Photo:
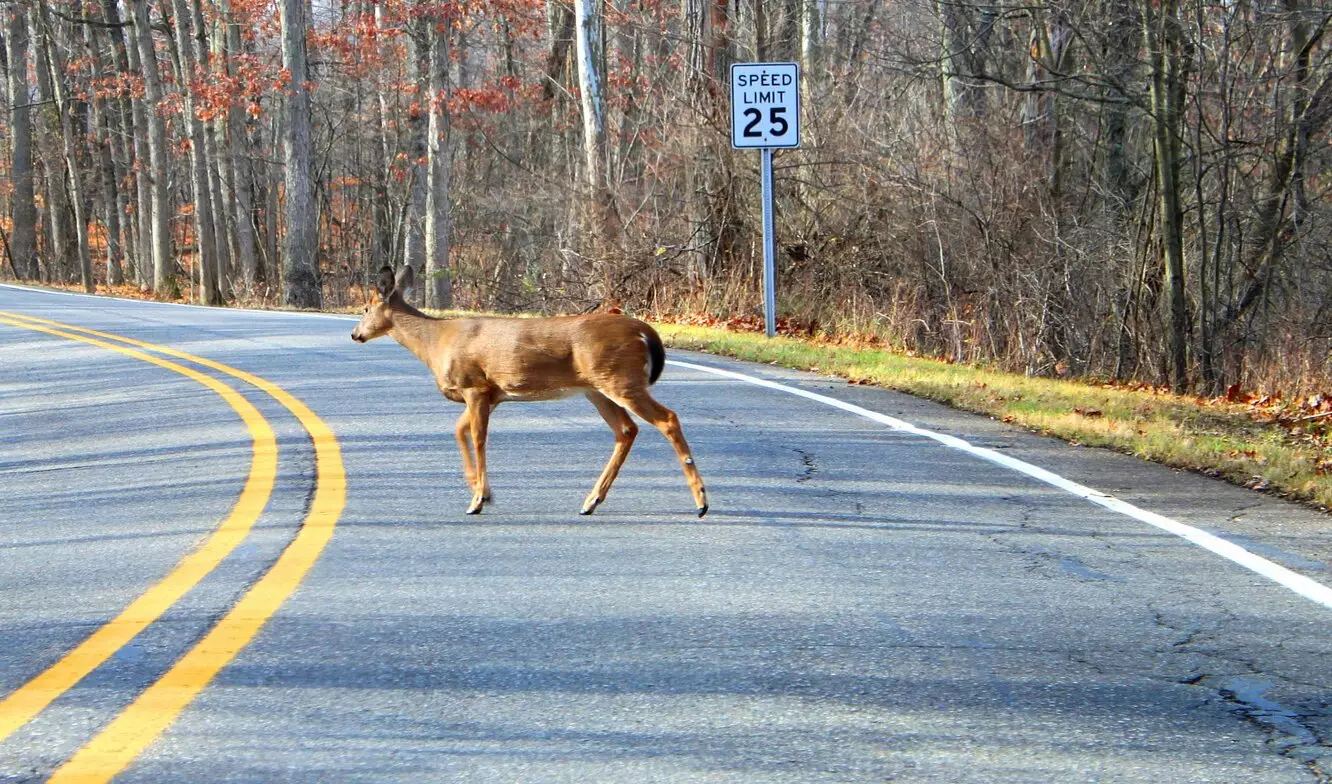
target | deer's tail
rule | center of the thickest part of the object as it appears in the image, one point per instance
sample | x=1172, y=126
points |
x=656, y=354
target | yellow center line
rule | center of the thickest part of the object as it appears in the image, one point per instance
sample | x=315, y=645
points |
x=28, y=700
x=158, y=706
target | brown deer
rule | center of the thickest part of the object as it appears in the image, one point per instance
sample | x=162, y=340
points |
x=482, y=362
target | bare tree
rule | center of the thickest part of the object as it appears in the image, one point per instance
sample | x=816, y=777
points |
x=206, y=237
x=300, y=277
x=1167, y=61
x=23, y=207
x=588, y=37
x=106, y=125
x=439, y=292
x=66, y=110
x=62, y=264
x=158, y=161
x=237, y=160
x=414, y=210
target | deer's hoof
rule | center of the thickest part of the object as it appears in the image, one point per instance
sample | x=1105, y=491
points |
x=590, y=506
x=702, y=510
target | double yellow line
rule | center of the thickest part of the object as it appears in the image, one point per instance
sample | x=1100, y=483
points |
x=158, y=706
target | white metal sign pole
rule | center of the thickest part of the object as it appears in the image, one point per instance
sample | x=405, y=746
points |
x=765, y=114
x=769, y=249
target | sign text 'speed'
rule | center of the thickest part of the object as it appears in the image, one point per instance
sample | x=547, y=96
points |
x=765, y=79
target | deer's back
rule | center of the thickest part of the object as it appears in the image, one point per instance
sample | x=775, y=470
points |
x=538, y=358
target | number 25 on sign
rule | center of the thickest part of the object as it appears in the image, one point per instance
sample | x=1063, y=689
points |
x=765, y=105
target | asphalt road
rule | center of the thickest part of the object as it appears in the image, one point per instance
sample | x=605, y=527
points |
x=862, y=603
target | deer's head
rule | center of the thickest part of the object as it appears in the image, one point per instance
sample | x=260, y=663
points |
x=390, y=296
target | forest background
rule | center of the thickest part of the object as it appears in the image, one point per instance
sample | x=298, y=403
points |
x=1104, y=189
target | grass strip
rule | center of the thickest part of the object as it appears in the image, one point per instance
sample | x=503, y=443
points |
x=1236, y=442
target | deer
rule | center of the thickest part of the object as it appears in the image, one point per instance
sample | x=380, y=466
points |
x=481, y=362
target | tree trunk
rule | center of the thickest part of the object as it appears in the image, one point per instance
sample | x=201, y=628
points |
x=1161, y=36
x=698, y=176
x=414, y=213
x=864, y=20
x=386, y=247
x=1122, y=45
x=143, y=185
x=241, y=177
x=811, y=31
x=158, y=160
x=587, y=28
x=59, y=234
x=438, y=289
x=66, y=110
x=961, y=96
x=212, y=158
x=205, y=239
x=761, y=31
x=103, y=125
x=300, y=276
x=125, y=133
x=23, y=238
x=560, y=25
x=272, y=236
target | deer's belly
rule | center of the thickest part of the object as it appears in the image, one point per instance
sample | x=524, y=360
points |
x=522, y=395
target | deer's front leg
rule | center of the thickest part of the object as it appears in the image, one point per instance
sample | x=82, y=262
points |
x=478, y=416
x=463, y=433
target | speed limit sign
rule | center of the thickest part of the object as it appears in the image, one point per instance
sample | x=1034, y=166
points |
x=765, y=105
x=765, y=115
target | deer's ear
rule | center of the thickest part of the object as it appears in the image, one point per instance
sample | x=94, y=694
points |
x=386, y=283
x=405, y=280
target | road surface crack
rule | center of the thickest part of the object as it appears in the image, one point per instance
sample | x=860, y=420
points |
x=1240, y=684
x=1292, y=733
x=810, y=468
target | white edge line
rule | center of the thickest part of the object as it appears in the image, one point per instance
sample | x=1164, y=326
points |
x=1304, y=586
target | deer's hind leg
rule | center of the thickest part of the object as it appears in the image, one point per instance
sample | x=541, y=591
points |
x=641, y=402
x=622, y=425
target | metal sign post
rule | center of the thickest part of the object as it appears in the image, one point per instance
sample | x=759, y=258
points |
x=769, y=248
x=765, y=114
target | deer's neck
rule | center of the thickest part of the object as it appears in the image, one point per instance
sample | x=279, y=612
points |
x=422, y=335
